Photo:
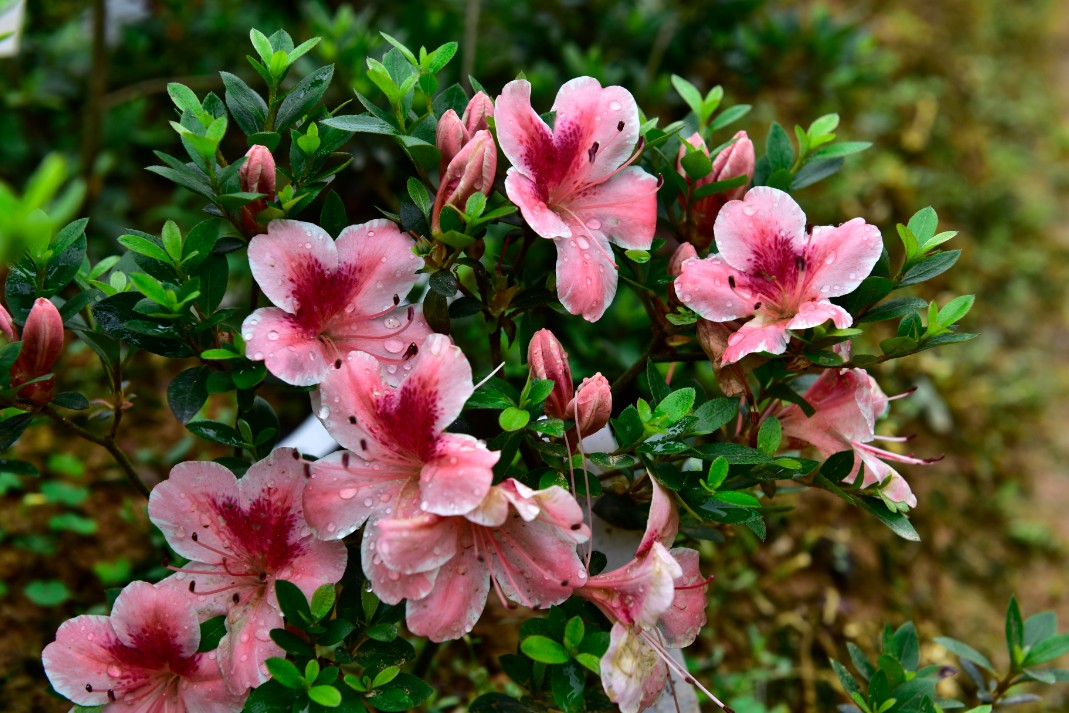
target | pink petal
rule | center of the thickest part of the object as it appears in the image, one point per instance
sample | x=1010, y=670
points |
x=288, y=257
x=390, y=585
x=288, y=350
x=553, y=506
x=212, y=591
x=683, y=620
x=586, y=274
x=205, y=690
x=663, y=523
x=345, y=490
x=439, y=386
x=320, y=563
x=393, y=339
x=418, y=544
x=457, y=600
x=157, y=619
x=632, y=674
x=752, y=338
x=548, y=360
x=810, y=314
x=186, y=500
x=764, y=231
x=704, y=286
x=450, y=136
x=380, y=263
x=458, y=477
x=247, y=643
x=81, y=654
x=531, y=201
x=639, y=592
x=623, y=208
x=839, y=258
x=523, y=136
x=348, y=406
x=892, y=484
x=536, y=563
x=589, y=114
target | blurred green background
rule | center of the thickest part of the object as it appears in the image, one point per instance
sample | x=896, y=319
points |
x=966, y=103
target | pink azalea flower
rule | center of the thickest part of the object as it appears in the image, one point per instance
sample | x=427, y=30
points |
x=519, y=541
x=847, y=403
x=656, y=602
x=396, y=437
x=574, y=183
x=42, y=343
x=736, y=160
x=241, y=536
x=331, y=297
x=143, y=658
x=770, y=269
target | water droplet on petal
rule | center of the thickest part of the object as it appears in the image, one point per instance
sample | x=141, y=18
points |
x=394, y=346
x=584, y=244
x=371, y=233
x=749, y=209
x=258, y=356
x=114, y=671
x=368, y=502
x=615, y=105
x=347, y=493
x=324, y=412
x=825, y=288
x=831, y=258
x=392, y=322
x=593, y=224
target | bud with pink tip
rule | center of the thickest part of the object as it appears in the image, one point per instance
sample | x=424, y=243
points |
x=591, y=406
x=42, y=343
x=548, y=360
x=479, y=108
x=257, y=175
x=454, y=132
x=471, y=171
x=7, y=326
x=736, y=160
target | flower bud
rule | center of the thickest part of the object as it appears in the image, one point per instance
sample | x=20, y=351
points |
x=256, y=175
x=675, y=266
x=591, y=406
x=42, y=343
x=471, y=171
x=736, y=160
x=548, y=360
x=450, y=137
x=7, y=326
x=480, y=107
x=713, y=338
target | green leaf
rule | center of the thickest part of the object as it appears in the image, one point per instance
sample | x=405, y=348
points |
x=361, y=124
x=1047, y=650
x=718, y=472
x=923, y=224
x=930, y=267
x=735, y=497
x=893, y=309
x=544, y=650
x=402, y=693
x=955, y=309
x=143, y=246
x=964, y=651
x=898, y=522
x=1039, y=627
x=326, y=696
x=303, y=97
x=1014, y=630
x=715, y=187
x=689, y=94
x=697, y=164
x=778, y=149
x=713, y=415
x=513, y=419
x=848, y=682
x=246, y=106
x=322, y=601
x=438, y=59
x=639, y=256
x=211, y=631
x=843, y=148
x=574, y=632
x=293, y=604
x=184, y=98
x=47, y=593
x=769, y=436
x=823, y=125
x=673, y=407
x=729, y=116
x=285, y=672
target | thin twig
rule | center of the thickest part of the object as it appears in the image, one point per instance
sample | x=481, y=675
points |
x=108, y=444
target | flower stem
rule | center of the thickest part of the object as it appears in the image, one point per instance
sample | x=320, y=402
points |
x=107, y=443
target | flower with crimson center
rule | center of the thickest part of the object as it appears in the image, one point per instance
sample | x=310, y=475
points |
x=241, y=536
x=770, y=269
x=142, y=658
x=332, y=297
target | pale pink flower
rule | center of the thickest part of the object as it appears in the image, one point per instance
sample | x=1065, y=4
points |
x=847, y=403
x=736, y=160
x=574, y=183
x=454, y=132
x=256, y=175
x=332, y=298
x=471, y=171
x=770, y=269
x=142, y=659
x=242, y=536
x=522, y=542
x=395, y=437
x=589, y=406
x=42, y=343
x=656, y=602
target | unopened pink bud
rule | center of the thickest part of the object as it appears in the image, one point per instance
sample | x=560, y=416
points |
x=7, y=326
x=42, y=343
x=736, y=160
x=591, y=406
x=548, y=360
x=256, y=175
x=471, y=171
x=675, y=266
x=480, y=107
x=450, y=138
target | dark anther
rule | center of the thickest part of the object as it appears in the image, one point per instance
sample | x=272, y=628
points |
x=363, y=444
x=111, y=696
x=165, y=562
x=729, y=709
x=307, y=470
x=352, y=420
x=337, y=363
x=411, y=312
x=660, y=181
x=192, y=586
x=577, y=526
x=89, y=687
x=345, y=459
x=510, y=606
x=263, y=576
x=296, y=454
x=194, y=536
x=757, y=306
x=592, y=152
x=397, y=299
x=564, y=583
x=412, y=351
x=731, y=281
x=799, y=263
x=481, y=558
x=236, y=598
x=620, y=126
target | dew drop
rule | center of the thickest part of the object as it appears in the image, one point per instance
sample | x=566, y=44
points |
x=825, y=288
x=593, y=224
x=307, y=246
x=368, y=502
x=258, y=356
x=831, y=258
x=331, y=527
x=394, y=346
x=728, y=303
x=749, y=209
x=615, y=106
x=114, y=671
x=584, y=244
x=853, y=275
x=347, y=493
x=272, y=335
x=371, y=233
x=324, y=412
x=392, y=322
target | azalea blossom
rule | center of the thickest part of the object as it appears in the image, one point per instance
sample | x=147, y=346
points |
x=519, y=541
x=42, y=343
x=770, y=269
x=575, y=185
x=454, y=132
x=256, y=175
x=142, y=658
x=738, y=159
x=331, y=298
x=589, y=406
x=241, y=536
x=656, y=602
x=471, y=171
x=395, y=437
x=847, y=403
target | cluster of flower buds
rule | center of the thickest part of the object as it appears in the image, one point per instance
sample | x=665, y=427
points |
x=589, y=406
x=42, y=343
x=738, y=159
x=469, y=157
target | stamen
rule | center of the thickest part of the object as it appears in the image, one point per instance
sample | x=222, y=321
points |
x=352, y=420
x=904, y=394
x=307, y=470
x=410, y=317
x=345, y=459
x=413, y=350
x=489, y=376
x=111, y=696
x=586, y=479
x=592, y=152
x=671, y=662
x=89, y=688
x=799, y=263
x=225, y=589
x=890, y=455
